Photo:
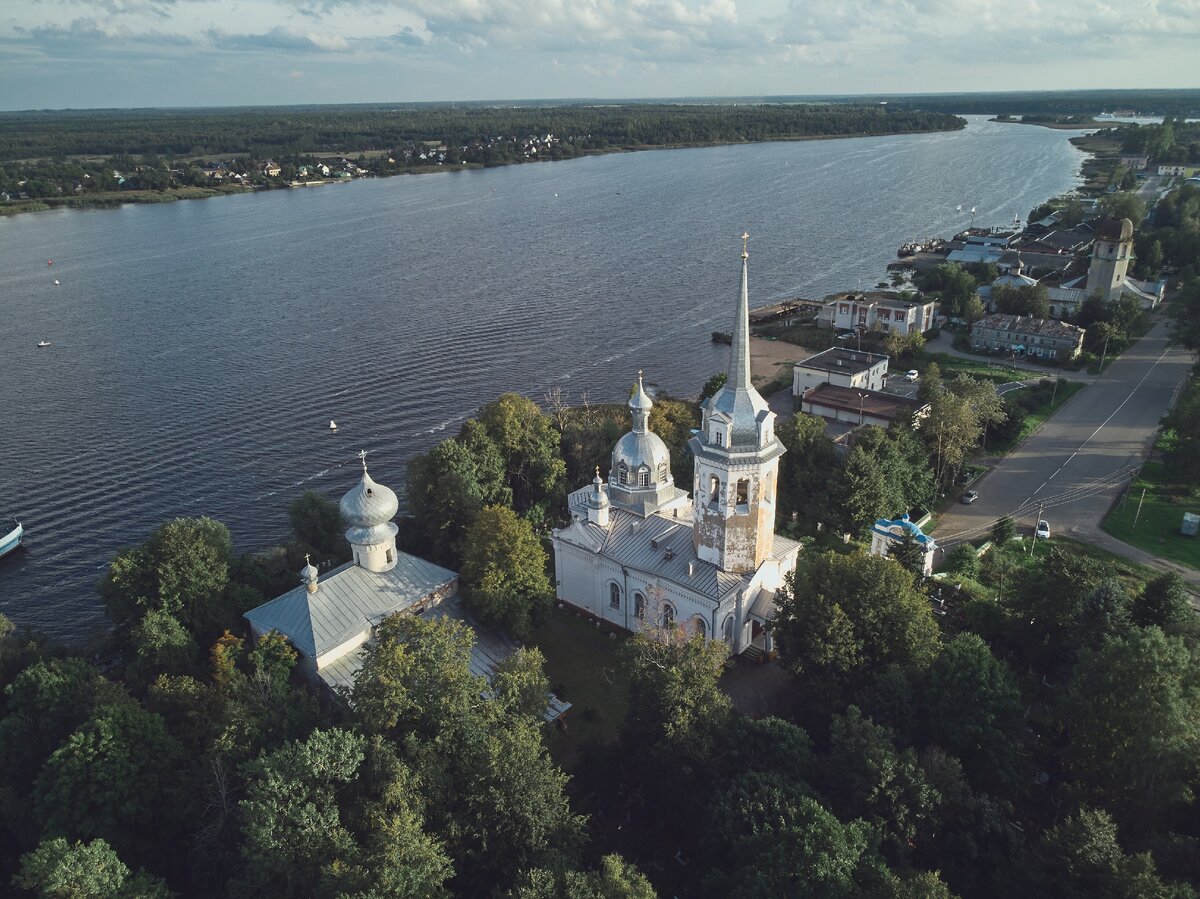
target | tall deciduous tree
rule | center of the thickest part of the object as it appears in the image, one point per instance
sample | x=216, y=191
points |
x=971, y=708
x=1132, y=715
x=1164, y=603
x=447, y=488
x=58, y=869
x=182, y=569
x=805, y=472
x=504, y=571
x=317, y=524
x=529, y=444
x=843, y=618
x=615, y=879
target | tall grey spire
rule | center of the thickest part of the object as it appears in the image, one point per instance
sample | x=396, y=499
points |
x=739, y=361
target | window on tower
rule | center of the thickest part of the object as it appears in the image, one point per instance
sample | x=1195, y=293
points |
x=714, y=490
x=643, y=477
x=743, y=495
x=623, y=474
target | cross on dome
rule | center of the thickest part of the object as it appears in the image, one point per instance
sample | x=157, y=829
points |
x=362, y=454
x=745, y=238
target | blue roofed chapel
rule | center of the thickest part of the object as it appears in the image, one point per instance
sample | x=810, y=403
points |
x=640, y=552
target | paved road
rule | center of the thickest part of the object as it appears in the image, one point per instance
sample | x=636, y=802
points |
x=1079, y=460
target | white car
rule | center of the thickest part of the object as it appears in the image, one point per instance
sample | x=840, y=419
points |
x=911, y=375
x=1043, y=530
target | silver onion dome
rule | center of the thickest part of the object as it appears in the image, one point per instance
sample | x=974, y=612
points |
x=368, y=510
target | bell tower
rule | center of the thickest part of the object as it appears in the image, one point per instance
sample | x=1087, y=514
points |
x=737, y=461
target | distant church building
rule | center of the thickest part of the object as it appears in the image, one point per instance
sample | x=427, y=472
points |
x=1107, y=276
x=328, y=620
x=640, y=552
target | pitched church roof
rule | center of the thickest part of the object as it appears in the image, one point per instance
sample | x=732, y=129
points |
x=660, y=544
x=348, y=600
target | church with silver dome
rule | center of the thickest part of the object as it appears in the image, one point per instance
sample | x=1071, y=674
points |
x=640, y=552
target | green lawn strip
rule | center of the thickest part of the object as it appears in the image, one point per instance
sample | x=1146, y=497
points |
x=1157, y=529
x=585, y=669
x=1066, y=390
x=955, y=365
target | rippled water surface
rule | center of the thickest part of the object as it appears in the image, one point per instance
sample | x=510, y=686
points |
x=200, y=348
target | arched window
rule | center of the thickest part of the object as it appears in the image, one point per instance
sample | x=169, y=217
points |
x=769, y=489
x=743, y=494
x=727, y=630
x=623, y=473
x=614, y=596
x=639, y=606
x=700, y=627
x=643, y=477
x=718, y=437
x=662, y=471
x=714, y=490
x=668, y=615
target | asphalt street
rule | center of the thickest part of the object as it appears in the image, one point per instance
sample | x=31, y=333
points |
x=1080, y=460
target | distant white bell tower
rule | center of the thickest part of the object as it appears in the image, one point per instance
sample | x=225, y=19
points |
x=737, y=461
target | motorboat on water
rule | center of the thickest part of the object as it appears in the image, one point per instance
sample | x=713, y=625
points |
x=11, y=540
x=43, y=343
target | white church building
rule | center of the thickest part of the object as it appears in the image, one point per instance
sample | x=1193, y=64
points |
x=640, y=552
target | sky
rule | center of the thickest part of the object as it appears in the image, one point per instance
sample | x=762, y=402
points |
x=130, y=53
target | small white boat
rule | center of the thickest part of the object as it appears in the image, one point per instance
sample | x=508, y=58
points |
x=56, y=282
x=43, y=343
x=11, y=540
x=332, y=425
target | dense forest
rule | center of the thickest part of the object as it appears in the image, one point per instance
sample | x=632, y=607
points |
x=1054, y=103
x=277, y=131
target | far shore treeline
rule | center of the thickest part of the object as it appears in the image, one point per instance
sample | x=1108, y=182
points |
x=283, y=130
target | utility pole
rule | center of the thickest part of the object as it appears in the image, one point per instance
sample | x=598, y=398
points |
x=1138, y=514
x=1103, y=354
x=861, y=398
x=1057, y=378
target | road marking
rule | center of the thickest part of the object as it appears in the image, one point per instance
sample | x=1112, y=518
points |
x=1100, y=427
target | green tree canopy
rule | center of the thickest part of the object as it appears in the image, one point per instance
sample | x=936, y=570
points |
x=529, y=444
x=1025, y=299
x=615, y=879
x=317, y=524
x=58, y=869
x=1132, y=714
x=449, y=486
x=971, y=708
x=843, y=618
x=504, y=571
x=182, y=569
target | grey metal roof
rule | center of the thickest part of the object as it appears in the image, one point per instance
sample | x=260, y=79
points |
x=348, y=600
x=645, y=544
x=488, y=650
x=368, y=504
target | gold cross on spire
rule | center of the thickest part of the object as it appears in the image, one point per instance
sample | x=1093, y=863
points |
x=745, y=238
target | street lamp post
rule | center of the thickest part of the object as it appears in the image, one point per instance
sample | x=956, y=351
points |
x=861, y=399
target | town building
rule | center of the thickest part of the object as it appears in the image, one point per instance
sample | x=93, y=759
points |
x=1108, y=277
x=851, y=311
x=640, y=553
x=1172, y=169
x=1019, y=334
x=1135, y=163
x=887, y=534
x=841, y=367
x=861, y=406
x=328, y=618
x=271, y=169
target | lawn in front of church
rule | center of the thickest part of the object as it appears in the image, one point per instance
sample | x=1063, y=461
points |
x=584, y=666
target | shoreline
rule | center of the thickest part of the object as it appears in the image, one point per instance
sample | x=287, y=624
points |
x=114, y=200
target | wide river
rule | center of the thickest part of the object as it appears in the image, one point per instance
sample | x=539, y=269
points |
x=199, y=349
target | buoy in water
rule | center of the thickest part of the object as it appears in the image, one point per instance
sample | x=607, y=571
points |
x=332, y=425
x=49, y=262
x=56, y=282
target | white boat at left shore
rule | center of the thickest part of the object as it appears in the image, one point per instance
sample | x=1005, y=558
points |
x=11, y=540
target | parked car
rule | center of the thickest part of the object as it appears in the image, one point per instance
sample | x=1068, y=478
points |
x=911, y=375
x=970, y=496
x=1043, y=530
